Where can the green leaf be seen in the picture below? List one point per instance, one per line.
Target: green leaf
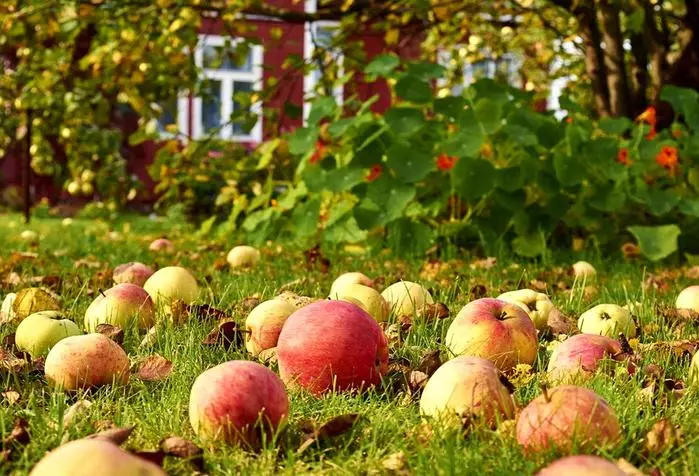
(465, 143)
(410, 237)
(635, 20)
(391, 195)
(426, 71)
(510, 179)
(684, 101)
(339, 128)
(608, 199)
(339, 210)
(656, 242)
(302, 140)
(474, 178)
(321, 108)
(615, 125)
(414, 89)
(253, 220)
(369, 215)
(531, 245)
(489, 114)
(343, 179)
(345, 231)
(661, 202)
(305, 217)
(570, 170)
(690, 207)
(382, 65)
(450, 106)
(409, 163)
(404, 120)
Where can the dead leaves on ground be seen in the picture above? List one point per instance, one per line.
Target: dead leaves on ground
(115, 333)
(19, 436)
(312, 432)
(227, 334)
(153, 368)
(663, 436)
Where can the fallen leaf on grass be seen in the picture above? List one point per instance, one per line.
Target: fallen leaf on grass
(314, 258)
(150, 337)
(485, 263)
(31, 300)
(220, 264)
(226, 333)
(334, 427)
(430, 362)
(204, 312)
(87, 262)
(116, 435)
(417, 380)
(662, 436)
(154, 368)
(185, 449)
(113, 332)
(51, 282)
(679, 348)
(11, 396)
(248, 304)
(395, 462)
(436, 311)
(12, 279)
(478, 291)
(11, 363)
(76, 410)
(559, 323)
(19, 434)
(678, 316)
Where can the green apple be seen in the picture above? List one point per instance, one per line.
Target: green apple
(537, 305)
(365, 297)
(407, 298)
(39, 332)
(607, 320)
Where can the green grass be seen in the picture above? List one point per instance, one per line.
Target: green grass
(389, 419)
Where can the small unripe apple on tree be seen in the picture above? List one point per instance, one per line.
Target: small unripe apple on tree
(582, 465)
(90, 457)
(565, 416)
(233, 401)
(537, 305)
(607, 320)
(264, 324)
(584, 270)
(39, 332)
(577, 358)
(688, 299)
(495, 330)
(162, 245)
(347, 279)
(467, 386)
(121, 306)
(407, 298)
(86, 361)
(170, 283)
(133, 272)
(243, 257)
(365, 297)
(332, 345)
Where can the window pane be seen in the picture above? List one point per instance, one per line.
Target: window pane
(211, 107)
(240, 87)
(230, 59)
(481, 69)
(168, 115)
(324, 36)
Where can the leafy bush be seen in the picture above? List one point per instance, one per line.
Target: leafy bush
(482, 168)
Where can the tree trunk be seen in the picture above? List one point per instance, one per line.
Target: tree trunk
(685, 71)
(639, 73)
(617, 80)
(594, 58)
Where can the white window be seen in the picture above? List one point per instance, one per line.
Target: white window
(223, 77)
(323, 57)
(504, 68)
(173, 112)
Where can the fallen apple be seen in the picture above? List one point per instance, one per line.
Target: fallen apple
(331, 345)
(577, 358)
(407, 298)
(584, 270)
(688, 299)
(582, 465)
(537, 305)
(234, 401)
(39, 332)
(243, 257)
(467, 387)
(264, 324)
(495, 330)
(29, 235)
(170, 283)
(349, 278)
(565, 416)
(121, 306)
(162, 245)
(86, 361)
(134, 273)
(95, 456)
(365, 297)
(607, 320)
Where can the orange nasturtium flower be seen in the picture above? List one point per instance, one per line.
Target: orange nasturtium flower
(623, 156)
(667, 157)
(446, 162)
(374, 173)
(650, 117)
(318, 153)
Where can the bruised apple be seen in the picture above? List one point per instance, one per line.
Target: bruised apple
(90, 457)
(134, 273)
(243, 257)
(577, 358)
(564, 416)
(170, 283)
(264, 324)
(607, 320)
(537, 305)
(331, 345)
(495, 330)
(346, 279)
(407, 298)
(86, 361)
(233, 401)
(365, 297)
(582, 465)
(467, 386)
(121, 306)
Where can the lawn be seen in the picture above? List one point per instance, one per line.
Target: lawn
(389, 436)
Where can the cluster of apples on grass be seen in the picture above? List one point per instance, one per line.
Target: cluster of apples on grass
(337, 345)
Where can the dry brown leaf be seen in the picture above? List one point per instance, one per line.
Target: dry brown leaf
(31, 300)
(226, 333)
(336, 426)
(692, 273)
(538, 285)
(113, 332)
(220, 264)
(185, 449)
(395, 462)
(430, 362)
(19, 434)
(679, 348)
(11, 396)
(248, 304)
(87, 262)
(435, 311)
(12, 279)
(662, 436)
(116, 435)
(316, 259)
(51, 282)
(478, 291)
(559, 323)
(417, 381)
(154, 368)
(11, 363)
(630, 250)
(485, 263)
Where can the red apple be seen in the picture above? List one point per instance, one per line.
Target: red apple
(582, 465)
(496, 330)
(121, 306)
(578, 357)
(564, 416)
(133, 272)
(162, 244)
(233, 401)
(332, 345)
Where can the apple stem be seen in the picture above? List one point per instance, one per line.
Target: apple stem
(502, 316)
(545, 392)
(604, 315)
(102, 292)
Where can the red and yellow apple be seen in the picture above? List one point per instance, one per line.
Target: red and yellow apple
(331, 345)
(264, 323)
(607, 320)
(162, 245)
(537, 305)
(233, 401)
(565, 416)
(577, 358)
(133, 272)
(467, 386)
(495, 330)
(407, 298)
(582, 465)
(365, 297)
(121, 306)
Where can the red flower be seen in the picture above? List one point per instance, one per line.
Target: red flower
(318, 153)
(623, 156)
(374, 173)
(667, 157)
(651, 134)
(650, 117)
(446, 162)
(569, 120)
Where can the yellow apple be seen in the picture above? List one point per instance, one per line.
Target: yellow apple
(537, 305)
(607, 320)
(407, 298)
(170, 283)
(365, 297)
(264, 324)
